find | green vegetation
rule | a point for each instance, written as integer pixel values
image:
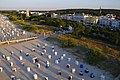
(70, 42)
(106, 35)
(79, 30)
(97, 53)
(95, 56)
(24, 22)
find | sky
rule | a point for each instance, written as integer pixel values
(58, 4)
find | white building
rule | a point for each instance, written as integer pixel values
(67, 16)
(91, 20)
(54, 15)
(35, 13)
(105, 21)
(27, 13)
(79, 17)
(73, 17)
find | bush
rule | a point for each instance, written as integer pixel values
(69, 43)
(13, 18)
(32, 28)
(95, 56)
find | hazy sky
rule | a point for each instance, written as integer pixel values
(58, 4)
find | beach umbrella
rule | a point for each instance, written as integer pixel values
(35, 76)
(47, 65)
(7, 58)
(47, 62)
(14, 69)
(77, 62)
(102, 77)
(69, 59)
(20, 58)
(33, 50)
(64, 55)
(68, 65)
(12, 52)
(45, 78)
(21, 51)
(35, 59)
(81, 65)
(61, 57)
(43, 47)
(38, 45)
(23, 64)
(38, 65)
(73, 70)
(56, 61)
(86, 70)
(12, 77)
(11, 63)
(27, 54)
(53, 47)
(28, 69)
(59, 73)
(53, 50)
(49, 56)
(1, 69)
(70, 77)
(46, 44)
(44, 51)
(92, 75)
(81, 73)
(3, 56)
(55, 53)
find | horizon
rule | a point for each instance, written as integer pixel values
(48, 5)
(58, 9)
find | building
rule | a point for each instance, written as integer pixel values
(79, 17)
(115, 24)
(91, 20)
(36, 13)
(54, 15)
(106, 21)
(27, 13)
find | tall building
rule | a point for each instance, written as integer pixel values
(27, 13)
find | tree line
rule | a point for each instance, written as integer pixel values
(79, 29)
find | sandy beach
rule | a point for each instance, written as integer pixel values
(51, 72)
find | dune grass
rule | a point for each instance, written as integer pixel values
(97, 54)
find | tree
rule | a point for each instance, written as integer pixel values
(78, 30)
